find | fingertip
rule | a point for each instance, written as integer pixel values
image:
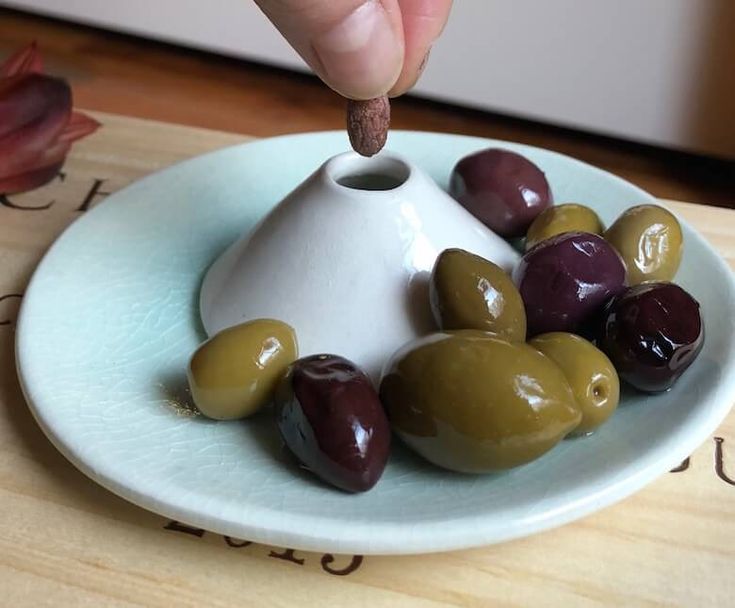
(409, 77)
(423, 23)
(361, 56)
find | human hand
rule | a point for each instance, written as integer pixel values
(361, 48)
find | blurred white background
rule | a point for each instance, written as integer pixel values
(655, 71)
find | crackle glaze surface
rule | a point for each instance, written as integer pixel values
(111, 317)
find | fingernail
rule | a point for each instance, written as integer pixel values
(361, 55)
(424, 61)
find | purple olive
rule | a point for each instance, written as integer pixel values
(330, 416)
(652, 333)
(502, 189)
(566, 280)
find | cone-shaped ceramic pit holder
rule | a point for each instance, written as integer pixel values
(345, 259)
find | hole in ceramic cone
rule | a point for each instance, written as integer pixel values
(374, 174)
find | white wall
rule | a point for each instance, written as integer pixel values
(658, 71)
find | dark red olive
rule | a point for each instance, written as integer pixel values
(330, 416)
(502, 189)
(566, 279)
(652, 333)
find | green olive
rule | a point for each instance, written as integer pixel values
(558, 219)
(649, 239)
(590, 373)
(472, 402)
(234, 373)
(469, 292)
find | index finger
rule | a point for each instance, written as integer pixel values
(423, 22)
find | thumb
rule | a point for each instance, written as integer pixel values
(355, 46)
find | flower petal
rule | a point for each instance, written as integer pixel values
(25, 61)
(34, 112)
(28, 98)
(30, 180)
(54, 153)
(79, 125)
(37, 125)
(44, 166)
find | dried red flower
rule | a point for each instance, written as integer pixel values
(37, 124)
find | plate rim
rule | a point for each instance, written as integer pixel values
(437, 537)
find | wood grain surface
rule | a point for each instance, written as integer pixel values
(127, 75)
(65, 541)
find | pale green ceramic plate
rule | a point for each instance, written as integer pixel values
(110, 318)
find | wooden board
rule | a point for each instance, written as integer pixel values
(65, 541)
